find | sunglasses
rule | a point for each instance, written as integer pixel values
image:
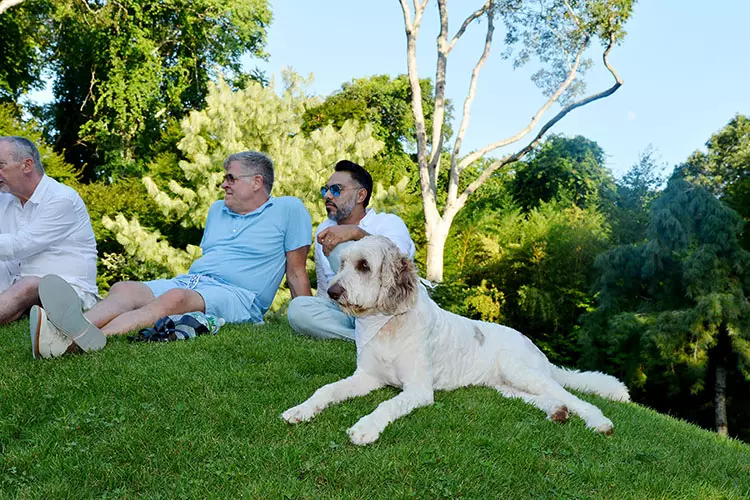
(335, 189)
(231, 178)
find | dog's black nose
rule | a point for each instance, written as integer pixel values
(336, 291)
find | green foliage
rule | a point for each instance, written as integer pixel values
(530, 271)
(564, 169)
(382, 101)
(665, 304)
(636, 192)
(22, 36)
(11, 123)
(125, 69)
(725, 168)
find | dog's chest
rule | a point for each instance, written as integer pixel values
(388, 352)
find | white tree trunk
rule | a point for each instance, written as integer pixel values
(7, 4)
(437, 235)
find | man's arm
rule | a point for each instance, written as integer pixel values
(333, 235)
(296, 273)
(52, 224)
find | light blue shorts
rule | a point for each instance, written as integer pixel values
(234, 304)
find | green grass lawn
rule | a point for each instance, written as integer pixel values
(201, 419)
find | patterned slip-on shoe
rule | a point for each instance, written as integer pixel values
(63, 308)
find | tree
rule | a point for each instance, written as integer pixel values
(725, 168)
(380, 100)
(254, 118)
(22, 43)
(679, 301)
(636, 191)
(564, 168)
(125, 69)
(557, 33)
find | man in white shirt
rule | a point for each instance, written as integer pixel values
(44, 228)
(347, 195)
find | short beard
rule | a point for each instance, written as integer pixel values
(341, 213)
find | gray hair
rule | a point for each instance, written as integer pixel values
(22, 148)
(254, 163)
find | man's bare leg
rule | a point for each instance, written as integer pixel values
(124, 296)
(17, 299)
(175, 301)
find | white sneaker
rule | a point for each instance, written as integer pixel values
(46, 340)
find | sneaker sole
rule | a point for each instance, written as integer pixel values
(35, 324)
(63, 308)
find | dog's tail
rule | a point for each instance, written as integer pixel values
(599, 383)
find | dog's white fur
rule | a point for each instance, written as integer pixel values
(422, 348)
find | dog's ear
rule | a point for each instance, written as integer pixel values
(398, 282)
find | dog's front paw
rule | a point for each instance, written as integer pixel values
(300, 413)
(363, 433)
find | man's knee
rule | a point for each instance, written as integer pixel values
(181, 300)
(298, 313)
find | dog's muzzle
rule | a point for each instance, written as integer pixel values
(336, 292)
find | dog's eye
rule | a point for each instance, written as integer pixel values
(363, 266)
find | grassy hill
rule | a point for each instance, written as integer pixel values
(201, 419)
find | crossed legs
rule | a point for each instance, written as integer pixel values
(131, 305)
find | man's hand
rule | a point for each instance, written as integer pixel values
(332, 236)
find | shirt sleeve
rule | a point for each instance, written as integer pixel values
(392, 227)
(322, 268)
(299, 227)
(50, 224)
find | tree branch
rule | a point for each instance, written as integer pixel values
(534, 120)
(438, 115)
(428, 185)
(466, 23)
(455, 170)
(7, 4)
(567, 109)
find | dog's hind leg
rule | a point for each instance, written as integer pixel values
(590, 414)
(542, 385)
(554, 408)
(359, 384)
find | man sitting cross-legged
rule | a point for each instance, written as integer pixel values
(44, 228)
(347, 195)
(251, 239)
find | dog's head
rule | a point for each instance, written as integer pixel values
(374, 277)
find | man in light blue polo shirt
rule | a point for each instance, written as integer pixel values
(250, 241)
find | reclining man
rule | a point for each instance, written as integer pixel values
(251, 239)
(346, 195)
(44, 228)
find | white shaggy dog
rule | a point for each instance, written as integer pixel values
(405, 340)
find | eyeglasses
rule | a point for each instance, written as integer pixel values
(335, 189)
(231, 178)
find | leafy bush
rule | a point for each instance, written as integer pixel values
(531, 271)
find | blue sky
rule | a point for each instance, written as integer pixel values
(685, 64)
